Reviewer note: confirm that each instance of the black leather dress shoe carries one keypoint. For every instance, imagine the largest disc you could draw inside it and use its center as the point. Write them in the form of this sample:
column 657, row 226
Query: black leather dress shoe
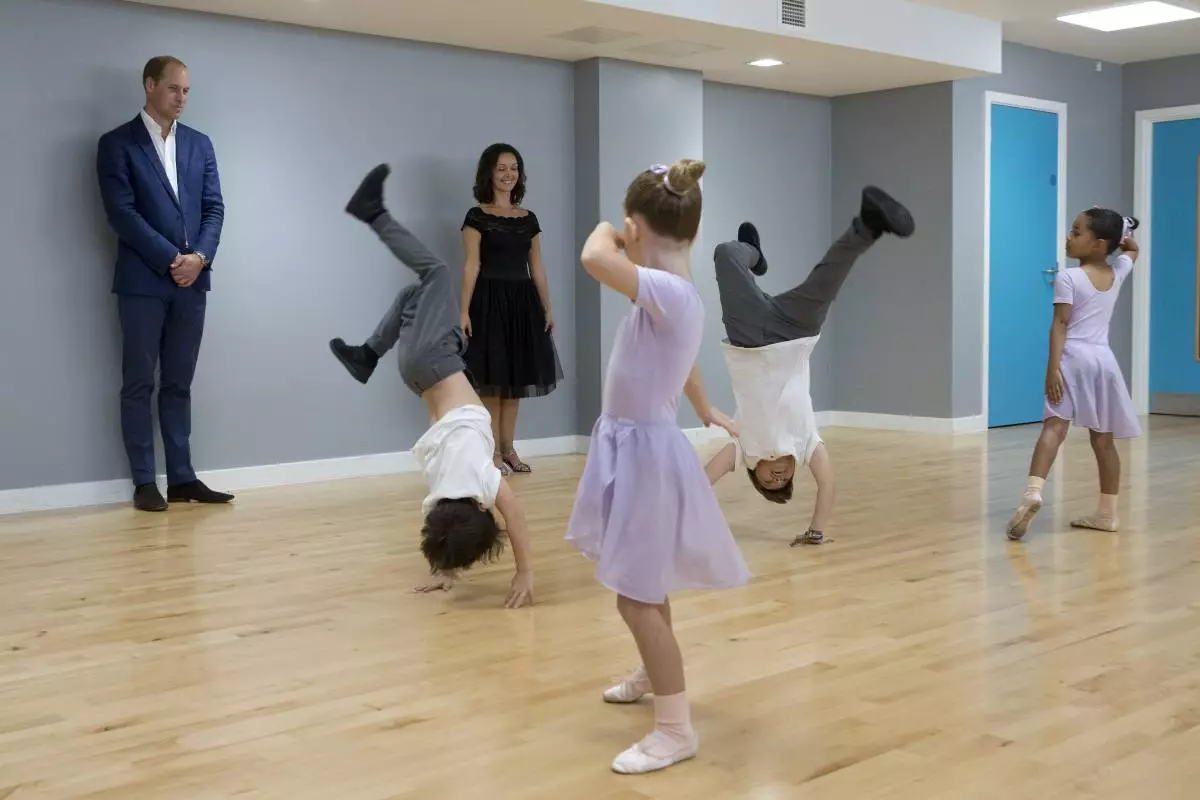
column 196, row 492
column 147, row 497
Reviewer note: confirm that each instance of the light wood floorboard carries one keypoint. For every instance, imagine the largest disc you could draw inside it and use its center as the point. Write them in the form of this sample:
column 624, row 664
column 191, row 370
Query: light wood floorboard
column 273, row 649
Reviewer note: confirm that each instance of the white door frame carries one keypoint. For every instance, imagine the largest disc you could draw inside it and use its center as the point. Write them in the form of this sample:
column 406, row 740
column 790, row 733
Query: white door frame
column 999, row 99
column 1143, row 173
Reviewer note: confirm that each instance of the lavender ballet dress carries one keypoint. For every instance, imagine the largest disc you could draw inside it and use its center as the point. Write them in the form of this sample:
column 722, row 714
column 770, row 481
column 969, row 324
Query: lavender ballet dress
column 1095, row 395
column 644, row 510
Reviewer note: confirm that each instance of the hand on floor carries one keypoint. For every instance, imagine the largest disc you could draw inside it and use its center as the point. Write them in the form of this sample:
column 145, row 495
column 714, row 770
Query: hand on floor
column 520, row 593
column 439, row 583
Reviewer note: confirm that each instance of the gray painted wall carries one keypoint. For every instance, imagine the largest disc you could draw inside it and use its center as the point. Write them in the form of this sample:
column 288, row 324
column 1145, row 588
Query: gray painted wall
column 893, row 319
column 296, row 116
column 589, row 364
column 1094, row 177
column 1153, row 84
column 776, row 173
column 648, row 115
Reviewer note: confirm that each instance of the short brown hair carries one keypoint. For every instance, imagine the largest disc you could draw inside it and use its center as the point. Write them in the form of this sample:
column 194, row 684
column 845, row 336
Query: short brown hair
column 782, row 495
column 157, row 67
column 669, row 198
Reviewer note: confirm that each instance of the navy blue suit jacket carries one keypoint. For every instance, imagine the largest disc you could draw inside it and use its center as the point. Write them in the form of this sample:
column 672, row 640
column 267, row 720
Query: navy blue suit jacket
column 152, row 226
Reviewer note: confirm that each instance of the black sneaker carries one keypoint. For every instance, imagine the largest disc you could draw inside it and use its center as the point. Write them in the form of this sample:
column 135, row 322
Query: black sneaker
column 359, row 361
column 367, row 201
column 748, row 234
column 882, row 213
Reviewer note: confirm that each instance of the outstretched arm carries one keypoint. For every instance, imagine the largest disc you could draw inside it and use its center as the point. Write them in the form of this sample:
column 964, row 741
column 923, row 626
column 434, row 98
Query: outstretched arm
column 521, row 591
column 722, row 463
column 694, row 390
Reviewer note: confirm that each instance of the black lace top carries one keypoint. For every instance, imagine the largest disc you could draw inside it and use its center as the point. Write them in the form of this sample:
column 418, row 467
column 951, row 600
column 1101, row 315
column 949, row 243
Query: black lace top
column 504, row 243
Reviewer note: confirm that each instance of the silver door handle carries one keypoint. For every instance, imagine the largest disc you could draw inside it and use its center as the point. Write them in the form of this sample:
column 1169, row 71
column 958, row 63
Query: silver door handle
column 1051, row 271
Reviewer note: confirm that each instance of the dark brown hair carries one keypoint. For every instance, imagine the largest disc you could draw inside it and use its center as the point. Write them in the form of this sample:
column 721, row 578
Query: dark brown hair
column 781, row 495
column 458, row 533
column 156, row 68
column 485, row 190
column 669, row 199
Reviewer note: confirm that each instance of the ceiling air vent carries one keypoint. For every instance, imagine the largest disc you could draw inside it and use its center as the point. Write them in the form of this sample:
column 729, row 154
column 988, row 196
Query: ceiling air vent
column 792, row 13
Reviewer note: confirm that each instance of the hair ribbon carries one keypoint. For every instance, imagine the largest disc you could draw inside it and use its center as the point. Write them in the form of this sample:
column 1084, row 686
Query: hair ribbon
column 664, row 170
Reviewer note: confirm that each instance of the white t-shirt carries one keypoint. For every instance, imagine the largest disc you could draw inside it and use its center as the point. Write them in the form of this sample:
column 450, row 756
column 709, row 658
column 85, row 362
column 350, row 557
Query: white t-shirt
column 774, row 414
column 456, row 456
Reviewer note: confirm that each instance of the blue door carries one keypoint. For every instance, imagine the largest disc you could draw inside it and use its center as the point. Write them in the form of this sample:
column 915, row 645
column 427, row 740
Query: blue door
column 1174, row 369
column 1025, row 252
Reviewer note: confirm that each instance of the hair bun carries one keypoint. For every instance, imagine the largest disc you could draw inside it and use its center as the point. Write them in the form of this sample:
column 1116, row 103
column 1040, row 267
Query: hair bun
column 685, row 174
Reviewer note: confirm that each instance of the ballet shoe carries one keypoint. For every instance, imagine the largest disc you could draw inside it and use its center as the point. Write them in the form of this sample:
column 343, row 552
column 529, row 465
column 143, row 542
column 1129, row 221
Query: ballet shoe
column 882, row 213
column 366, row 203
column 748, row 234
column 630, row 690
column 1097, row 522
column 1031, row 503
column 655, row 752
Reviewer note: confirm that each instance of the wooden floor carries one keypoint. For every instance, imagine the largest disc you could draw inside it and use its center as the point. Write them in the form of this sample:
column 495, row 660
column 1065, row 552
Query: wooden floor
column 273, row 650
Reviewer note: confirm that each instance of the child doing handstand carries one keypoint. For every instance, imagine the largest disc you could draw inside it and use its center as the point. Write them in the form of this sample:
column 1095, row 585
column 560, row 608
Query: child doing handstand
column 770, row 340
column 456, row 452
column 1084, row 384
column 645, row 511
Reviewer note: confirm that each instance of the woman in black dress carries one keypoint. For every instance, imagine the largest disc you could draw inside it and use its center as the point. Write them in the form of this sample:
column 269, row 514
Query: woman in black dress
column 505, row 300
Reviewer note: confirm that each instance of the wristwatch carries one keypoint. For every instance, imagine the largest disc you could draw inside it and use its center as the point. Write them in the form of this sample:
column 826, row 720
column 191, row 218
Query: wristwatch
column 203, row 258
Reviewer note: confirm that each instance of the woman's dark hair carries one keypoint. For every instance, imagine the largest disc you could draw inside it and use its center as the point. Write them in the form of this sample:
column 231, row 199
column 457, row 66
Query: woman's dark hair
column 485, row 192
column 457, row 534
column 781, row 495
column 1108, row 225
column 669, row 199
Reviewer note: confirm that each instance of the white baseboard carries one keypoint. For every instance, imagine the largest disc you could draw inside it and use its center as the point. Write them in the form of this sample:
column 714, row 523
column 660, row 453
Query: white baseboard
column 75, row 495
column 96, row 493
column 899, row 422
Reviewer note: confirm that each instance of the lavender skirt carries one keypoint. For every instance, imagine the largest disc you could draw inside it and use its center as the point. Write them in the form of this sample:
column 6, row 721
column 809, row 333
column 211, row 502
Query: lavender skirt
column 1095, row 395
column 646, row 514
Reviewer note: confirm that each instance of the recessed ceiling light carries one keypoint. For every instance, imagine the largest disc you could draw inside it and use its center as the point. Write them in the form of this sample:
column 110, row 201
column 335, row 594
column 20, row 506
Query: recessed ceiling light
column 766, row 62
column 1135, row 15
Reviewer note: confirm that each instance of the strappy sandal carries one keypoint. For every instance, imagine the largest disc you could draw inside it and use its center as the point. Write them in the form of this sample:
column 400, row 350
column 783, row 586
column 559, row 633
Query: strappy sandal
column 808, row 537
column 501, row 464
column 514, row 462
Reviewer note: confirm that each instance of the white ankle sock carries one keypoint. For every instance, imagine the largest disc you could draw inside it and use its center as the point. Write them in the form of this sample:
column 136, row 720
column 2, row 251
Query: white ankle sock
column 1108, row 505
column 1035, row 486
column 673, row 718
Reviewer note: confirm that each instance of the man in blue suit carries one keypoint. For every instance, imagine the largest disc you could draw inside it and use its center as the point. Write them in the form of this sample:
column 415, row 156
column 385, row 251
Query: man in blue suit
column 162, row 196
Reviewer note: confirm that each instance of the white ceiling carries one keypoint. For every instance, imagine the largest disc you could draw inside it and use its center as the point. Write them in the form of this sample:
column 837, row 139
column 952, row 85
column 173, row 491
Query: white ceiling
column 1035, row 23
column 536, row 27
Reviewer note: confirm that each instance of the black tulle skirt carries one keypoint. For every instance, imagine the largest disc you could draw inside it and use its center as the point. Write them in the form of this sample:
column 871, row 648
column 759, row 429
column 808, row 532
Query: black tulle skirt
column 510, row 353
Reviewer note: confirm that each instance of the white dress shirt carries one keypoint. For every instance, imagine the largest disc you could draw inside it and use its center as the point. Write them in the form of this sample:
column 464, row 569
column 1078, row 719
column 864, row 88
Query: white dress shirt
column 165, row 148
column 774, row 415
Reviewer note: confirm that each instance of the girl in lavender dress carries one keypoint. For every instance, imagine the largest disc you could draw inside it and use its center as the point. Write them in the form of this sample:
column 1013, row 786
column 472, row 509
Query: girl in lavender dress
column 645, row 512
column 1084, row 384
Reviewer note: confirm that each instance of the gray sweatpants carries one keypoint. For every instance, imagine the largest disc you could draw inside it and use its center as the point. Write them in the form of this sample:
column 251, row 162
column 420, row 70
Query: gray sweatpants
column 754, row 318
column 423, row 319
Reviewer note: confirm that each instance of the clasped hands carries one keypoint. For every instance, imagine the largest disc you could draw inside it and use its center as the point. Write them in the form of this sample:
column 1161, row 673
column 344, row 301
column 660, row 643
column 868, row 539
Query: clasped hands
column 186, row 268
